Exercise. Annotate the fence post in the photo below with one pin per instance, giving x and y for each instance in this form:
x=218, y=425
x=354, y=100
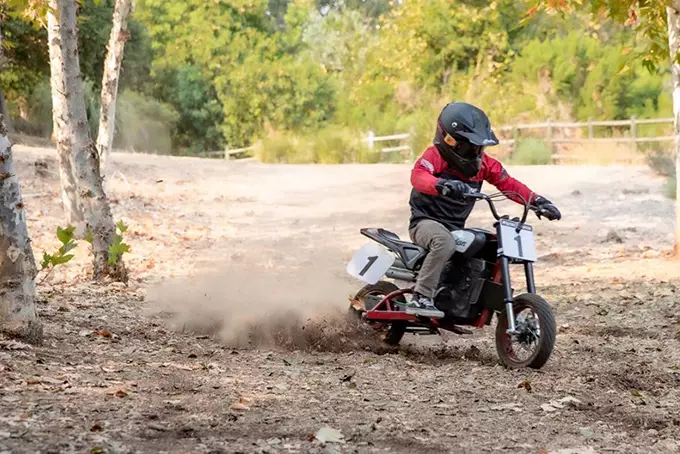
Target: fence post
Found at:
x=371, y=140
x=591, y=132
x=633, y=133
x=515, y=139
x=411, y=144
x=550, y=137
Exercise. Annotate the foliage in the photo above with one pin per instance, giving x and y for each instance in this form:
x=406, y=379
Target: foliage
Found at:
x=670, y=188
x=50, y=261
x=531, y=151
x=663, y=163
x=332, y=145
x=118, y=247
x=142, y=123
x=204, y=76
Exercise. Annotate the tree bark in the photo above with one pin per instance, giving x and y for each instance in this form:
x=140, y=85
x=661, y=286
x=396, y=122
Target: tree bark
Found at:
x=18, y=315
x=83, y=192
x=4, y=111
x=112, y=64
x=62, y=50
x=673, y=16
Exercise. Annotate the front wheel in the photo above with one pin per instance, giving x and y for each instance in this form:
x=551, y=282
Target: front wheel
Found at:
x=535, y=324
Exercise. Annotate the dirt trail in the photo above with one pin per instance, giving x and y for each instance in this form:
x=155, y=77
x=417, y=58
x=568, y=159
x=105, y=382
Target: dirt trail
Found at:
x=217, y=245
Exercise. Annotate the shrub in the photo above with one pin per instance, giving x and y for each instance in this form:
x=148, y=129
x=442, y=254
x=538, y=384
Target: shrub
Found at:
x=661, y=162
x=530, y=152
x=670, y=187
x=331, y=145
x=337, y=146
x=278, y=147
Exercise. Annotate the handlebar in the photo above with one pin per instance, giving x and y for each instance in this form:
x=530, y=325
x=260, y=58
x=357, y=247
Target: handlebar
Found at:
x=481, y=196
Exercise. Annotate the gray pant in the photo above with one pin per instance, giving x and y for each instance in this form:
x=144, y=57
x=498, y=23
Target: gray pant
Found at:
x=437, y=239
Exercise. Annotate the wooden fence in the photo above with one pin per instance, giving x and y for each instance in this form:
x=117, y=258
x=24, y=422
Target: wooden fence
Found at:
x=553, y=133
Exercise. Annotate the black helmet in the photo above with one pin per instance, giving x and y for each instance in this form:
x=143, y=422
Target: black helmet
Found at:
x=463, y=131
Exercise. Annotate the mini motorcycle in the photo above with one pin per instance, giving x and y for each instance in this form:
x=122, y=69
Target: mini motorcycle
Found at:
x=474, y=285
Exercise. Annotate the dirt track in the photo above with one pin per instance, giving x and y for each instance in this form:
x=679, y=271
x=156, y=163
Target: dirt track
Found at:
x=217, y=245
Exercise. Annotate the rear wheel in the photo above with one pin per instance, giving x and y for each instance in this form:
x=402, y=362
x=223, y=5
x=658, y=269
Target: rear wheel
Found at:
x=534, y=342
x=390, y=333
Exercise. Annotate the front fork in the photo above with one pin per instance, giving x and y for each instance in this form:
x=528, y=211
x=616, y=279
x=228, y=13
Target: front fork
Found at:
x=507, y=288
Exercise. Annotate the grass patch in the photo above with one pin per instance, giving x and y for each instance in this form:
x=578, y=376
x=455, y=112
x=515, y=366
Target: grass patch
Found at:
x=669, y=188
x=531, y=152
x=327, y=146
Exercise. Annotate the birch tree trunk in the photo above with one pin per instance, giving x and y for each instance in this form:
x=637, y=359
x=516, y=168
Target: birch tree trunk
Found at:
x=112, y=64
x=60, y=58
x=673, y=15
x=78, y=158
x=18, y=315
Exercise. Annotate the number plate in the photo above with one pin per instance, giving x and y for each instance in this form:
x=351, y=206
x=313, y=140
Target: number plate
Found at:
x=517, y=245
x=370, y=263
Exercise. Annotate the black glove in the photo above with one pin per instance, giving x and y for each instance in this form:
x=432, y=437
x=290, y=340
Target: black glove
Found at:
x=547, y=209
x=452, y=188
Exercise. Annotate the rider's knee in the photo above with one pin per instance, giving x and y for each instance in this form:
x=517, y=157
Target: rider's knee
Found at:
x=444, y=244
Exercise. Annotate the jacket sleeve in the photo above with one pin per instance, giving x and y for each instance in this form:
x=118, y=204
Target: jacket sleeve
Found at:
x=498, y=176
x=422, y=175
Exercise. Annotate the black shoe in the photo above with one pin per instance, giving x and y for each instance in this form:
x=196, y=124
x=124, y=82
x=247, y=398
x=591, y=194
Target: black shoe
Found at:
x=423, y=306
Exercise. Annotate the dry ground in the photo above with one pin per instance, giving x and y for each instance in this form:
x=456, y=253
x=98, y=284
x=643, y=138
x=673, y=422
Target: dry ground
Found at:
x=228, y=338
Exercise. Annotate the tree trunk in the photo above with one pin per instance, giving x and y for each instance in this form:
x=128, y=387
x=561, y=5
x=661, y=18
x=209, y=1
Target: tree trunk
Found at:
x=78, y=158
x=112, y=64
x=61, y=58
x=4, y=111
x=18, y=315
x=673, y=13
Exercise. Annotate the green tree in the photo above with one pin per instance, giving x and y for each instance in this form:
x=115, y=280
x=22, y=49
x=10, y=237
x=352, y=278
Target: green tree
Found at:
x=657, y=24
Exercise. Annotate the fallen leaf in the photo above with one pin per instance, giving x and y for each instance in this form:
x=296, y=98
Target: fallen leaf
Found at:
x=348, y=377
x=569, y=399
x=238, y=406
x=52, y=381
x=635, y=393
x=120, y=393
x=511, y=406
x=587, y=432
x=329, y=435
x=526, y=384
x=103, y=333
x=96, y=427
x=14, y=345
x=548, y=408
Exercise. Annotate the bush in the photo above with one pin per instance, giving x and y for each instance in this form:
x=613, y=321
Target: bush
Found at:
x=279, y=147
x=661, y=162
x=328, y=146
x=144, y=124
x=531, y=152
x=670, y=187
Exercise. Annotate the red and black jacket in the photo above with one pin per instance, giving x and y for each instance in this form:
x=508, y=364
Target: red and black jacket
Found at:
x=426, y=203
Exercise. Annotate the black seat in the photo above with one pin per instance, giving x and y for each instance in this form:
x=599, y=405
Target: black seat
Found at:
x=411, y=255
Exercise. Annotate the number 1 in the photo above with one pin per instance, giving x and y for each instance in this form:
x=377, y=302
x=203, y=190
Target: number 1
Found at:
x=518, y=238
x=371, y=261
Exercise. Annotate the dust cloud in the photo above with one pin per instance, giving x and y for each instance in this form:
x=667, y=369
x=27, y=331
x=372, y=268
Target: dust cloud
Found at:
x=247, y=306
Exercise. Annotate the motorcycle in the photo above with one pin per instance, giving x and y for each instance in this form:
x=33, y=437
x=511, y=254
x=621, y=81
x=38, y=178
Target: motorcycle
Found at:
x=474, y=285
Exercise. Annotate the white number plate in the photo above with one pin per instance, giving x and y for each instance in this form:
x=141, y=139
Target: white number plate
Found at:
x=517, y=245
x=370, y=263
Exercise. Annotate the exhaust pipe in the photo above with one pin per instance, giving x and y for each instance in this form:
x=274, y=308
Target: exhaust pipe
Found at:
x=401, y=274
